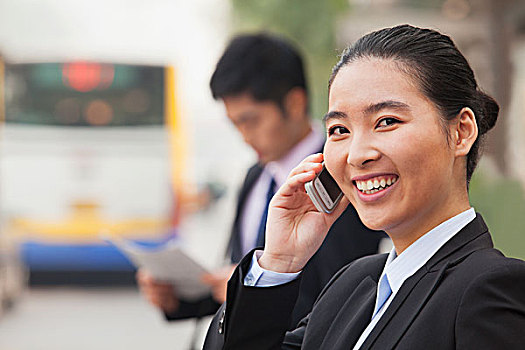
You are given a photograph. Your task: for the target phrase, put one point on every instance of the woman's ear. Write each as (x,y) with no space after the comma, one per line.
(464,132)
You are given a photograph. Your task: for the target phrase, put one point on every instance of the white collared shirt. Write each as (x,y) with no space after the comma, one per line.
(278,170)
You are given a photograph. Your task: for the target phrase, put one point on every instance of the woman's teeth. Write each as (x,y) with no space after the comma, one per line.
(376,184)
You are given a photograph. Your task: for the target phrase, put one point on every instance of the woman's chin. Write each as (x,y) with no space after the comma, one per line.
(373,226)
(375,222)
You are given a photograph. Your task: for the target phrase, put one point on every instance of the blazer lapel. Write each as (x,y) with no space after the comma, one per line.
(472,237)
(352,318)
(394,306)
(235,244)
(419,287)
(424,282)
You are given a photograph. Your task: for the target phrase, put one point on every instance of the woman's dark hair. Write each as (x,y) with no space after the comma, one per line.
(263,65)
(435,63)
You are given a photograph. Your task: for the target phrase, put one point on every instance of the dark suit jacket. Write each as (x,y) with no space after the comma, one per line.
(467,296)
(347,240)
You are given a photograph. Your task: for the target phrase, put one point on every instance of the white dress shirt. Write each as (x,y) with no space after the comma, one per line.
(397,268)
(278,170)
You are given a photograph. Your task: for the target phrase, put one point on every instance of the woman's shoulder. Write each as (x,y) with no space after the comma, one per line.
(493,289)
(490,261)
(489,269)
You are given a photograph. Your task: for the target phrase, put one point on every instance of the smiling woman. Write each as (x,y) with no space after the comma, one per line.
(405,122)
(395,134)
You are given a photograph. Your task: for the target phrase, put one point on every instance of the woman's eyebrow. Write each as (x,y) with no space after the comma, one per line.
(390,104)
(334,115)
(371,109)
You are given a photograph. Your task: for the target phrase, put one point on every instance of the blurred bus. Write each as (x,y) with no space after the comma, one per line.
(88,148)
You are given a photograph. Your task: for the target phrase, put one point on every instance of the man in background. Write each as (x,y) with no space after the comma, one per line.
(261,81)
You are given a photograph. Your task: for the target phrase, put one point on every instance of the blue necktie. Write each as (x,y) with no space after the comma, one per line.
(384,292)
(262,225)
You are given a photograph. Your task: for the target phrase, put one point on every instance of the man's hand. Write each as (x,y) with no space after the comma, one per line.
(218,281)
(157,293)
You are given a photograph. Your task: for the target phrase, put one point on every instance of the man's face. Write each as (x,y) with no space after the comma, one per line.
(262,125)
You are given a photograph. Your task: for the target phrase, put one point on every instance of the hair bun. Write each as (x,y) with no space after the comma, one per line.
(489,113)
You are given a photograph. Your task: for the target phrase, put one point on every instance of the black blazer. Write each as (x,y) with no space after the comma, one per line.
(347,240)
(467,296)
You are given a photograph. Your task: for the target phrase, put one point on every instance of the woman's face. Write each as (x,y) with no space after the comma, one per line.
(387,150)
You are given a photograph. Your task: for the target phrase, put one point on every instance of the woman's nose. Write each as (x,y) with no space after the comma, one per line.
(362,151)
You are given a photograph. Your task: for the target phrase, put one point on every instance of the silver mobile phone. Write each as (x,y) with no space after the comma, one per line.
(324,191)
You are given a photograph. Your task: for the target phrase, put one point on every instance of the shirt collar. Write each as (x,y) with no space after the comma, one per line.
(399,268)
(279,169)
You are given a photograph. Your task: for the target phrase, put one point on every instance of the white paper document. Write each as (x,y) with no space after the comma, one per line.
(167,262)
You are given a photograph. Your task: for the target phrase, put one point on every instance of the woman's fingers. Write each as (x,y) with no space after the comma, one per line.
(301,174)
(306,167)
(310,163)
(296,183)
(316,157)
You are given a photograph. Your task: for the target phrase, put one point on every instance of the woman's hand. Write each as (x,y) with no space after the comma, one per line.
(295,229)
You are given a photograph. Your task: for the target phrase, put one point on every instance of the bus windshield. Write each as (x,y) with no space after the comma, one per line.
(84,94)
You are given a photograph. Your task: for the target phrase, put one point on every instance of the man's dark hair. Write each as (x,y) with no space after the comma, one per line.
(436,65)
(265,66)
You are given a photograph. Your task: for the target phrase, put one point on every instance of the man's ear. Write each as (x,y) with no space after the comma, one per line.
(295,103)
(464,132)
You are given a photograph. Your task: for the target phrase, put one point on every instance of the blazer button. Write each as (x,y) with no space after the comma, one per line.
(221,322)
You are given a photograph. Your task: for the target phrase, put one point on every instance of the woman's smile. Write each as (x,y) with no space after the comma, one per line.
(374,187)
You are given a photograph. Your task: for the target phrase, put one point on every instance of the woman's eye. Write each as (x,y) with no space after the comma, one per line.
(337,130)
(387,122)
